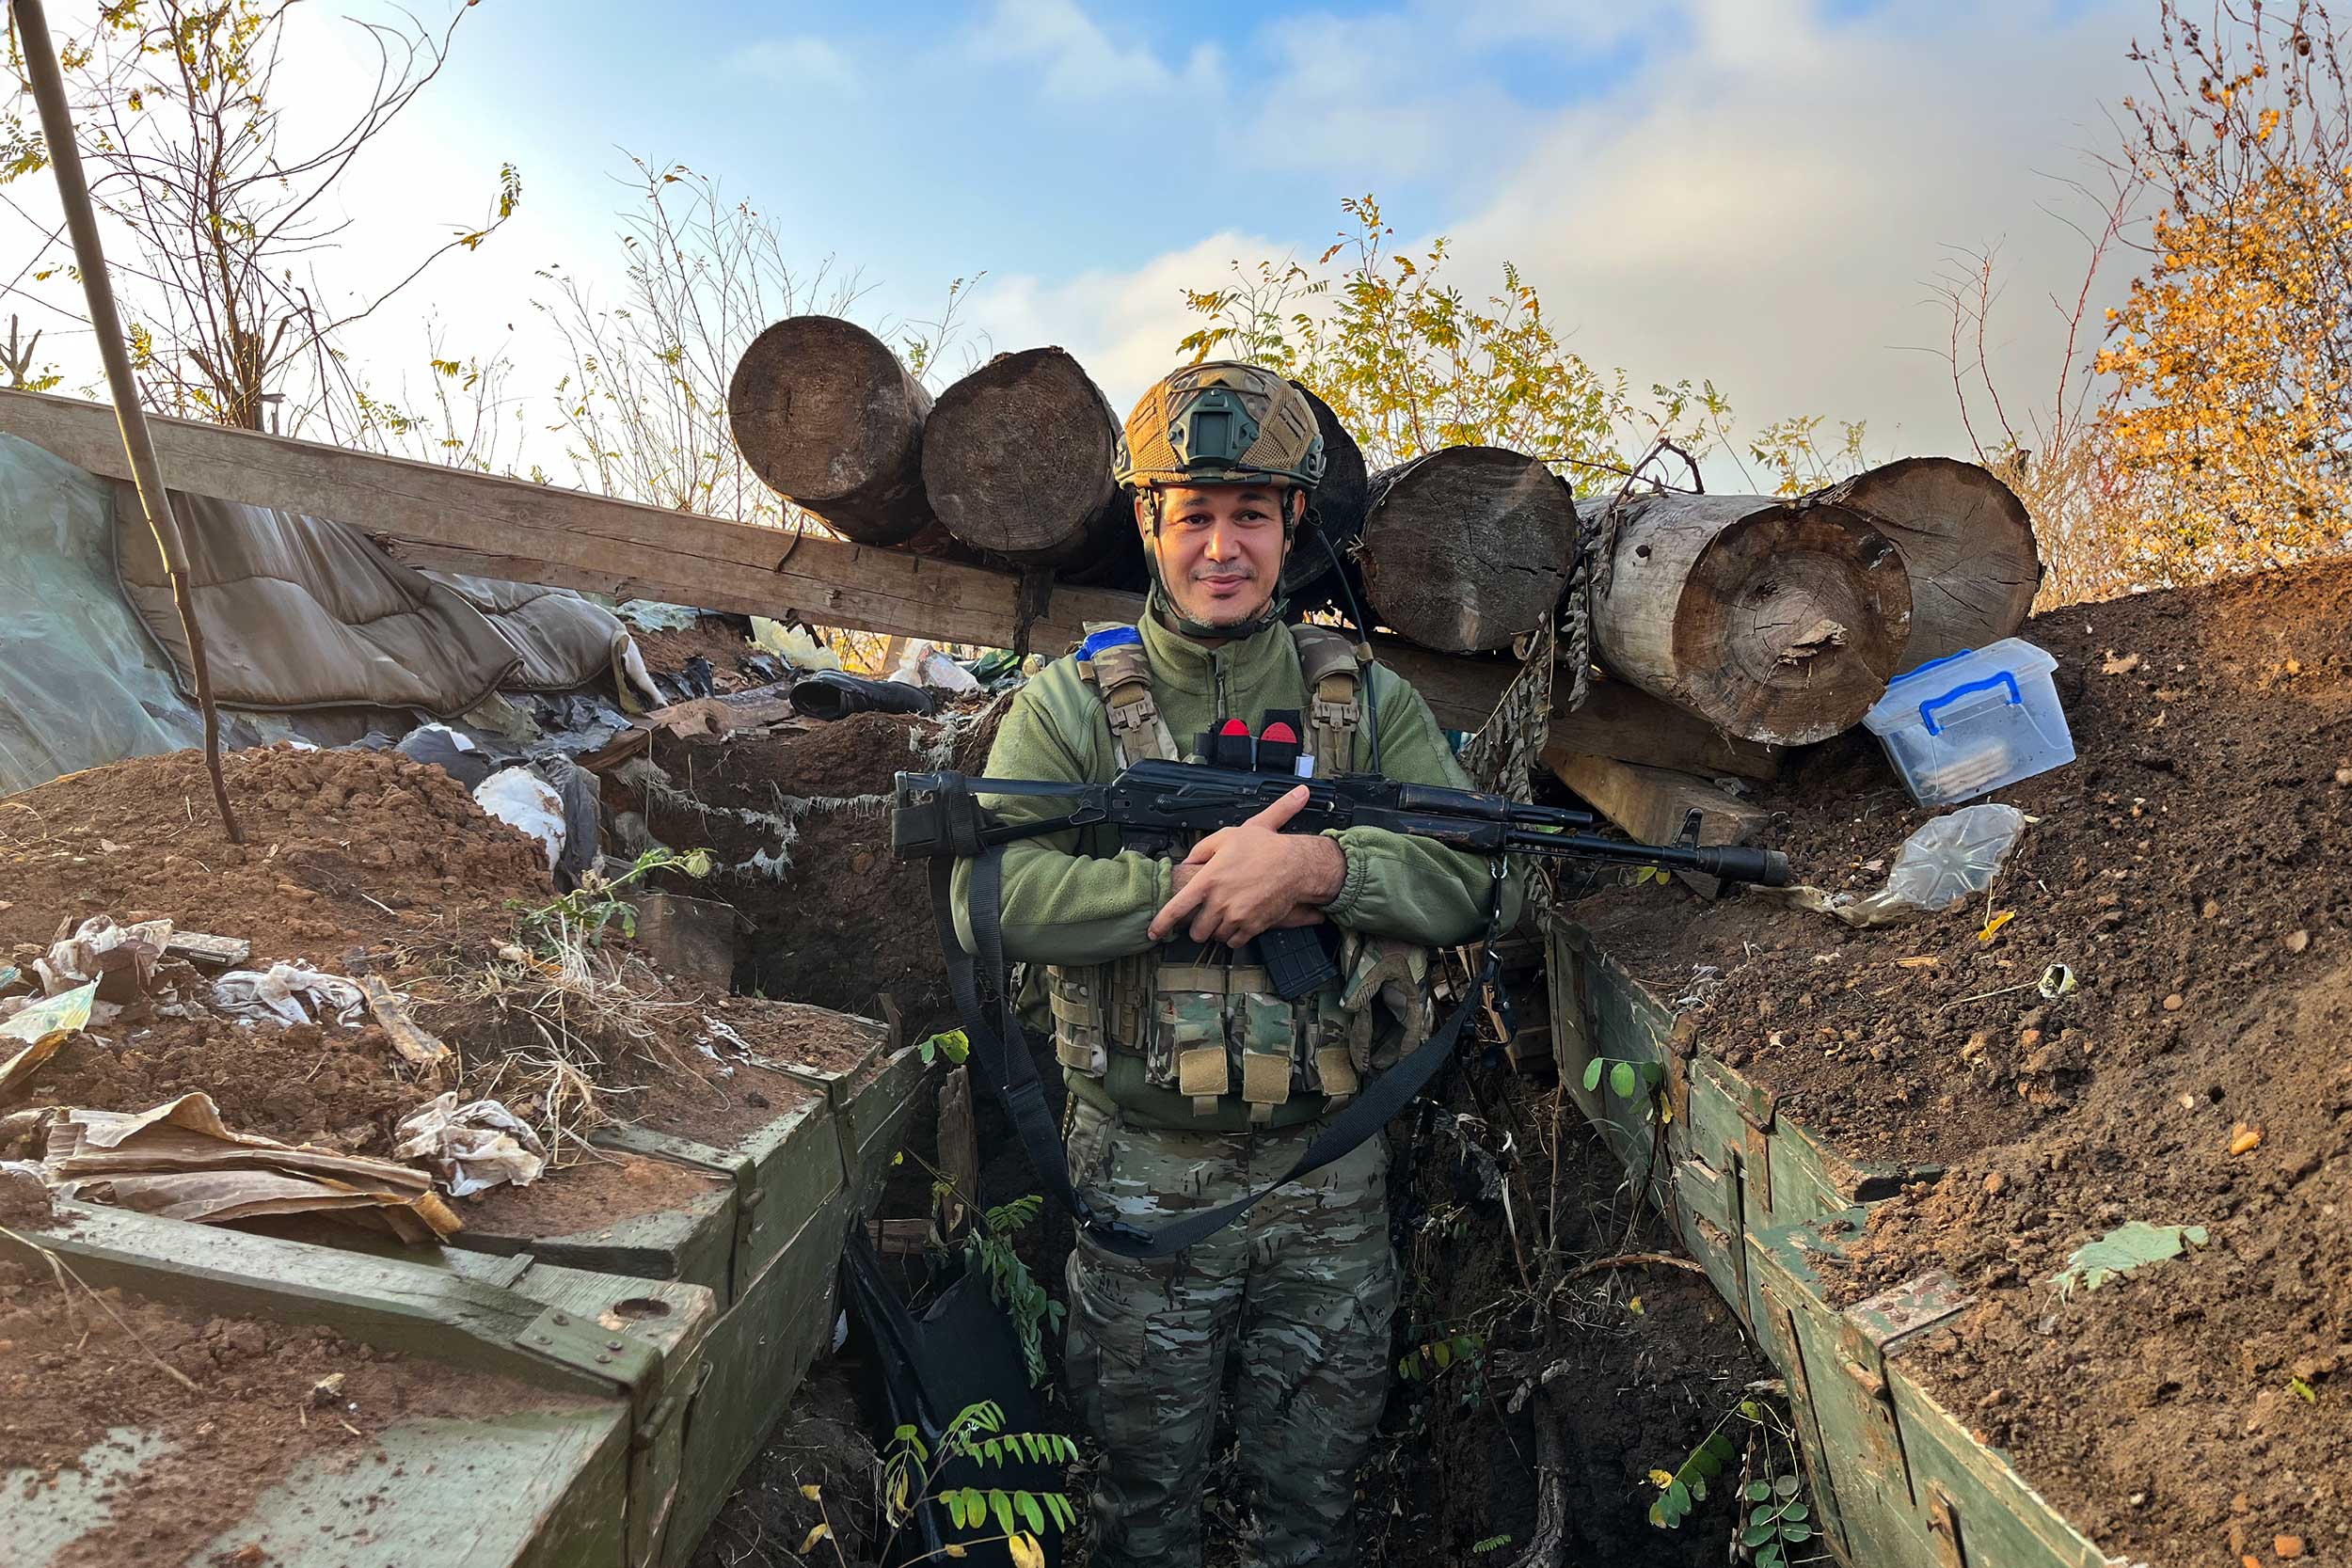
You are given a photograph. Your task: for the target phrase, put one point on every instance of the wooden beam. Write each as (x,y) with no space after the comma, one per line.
(484,525)
(1649,803)
(1619,720)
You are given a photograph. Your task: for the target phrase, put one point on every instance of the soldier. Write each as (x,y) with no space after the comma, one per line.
(1190,1081)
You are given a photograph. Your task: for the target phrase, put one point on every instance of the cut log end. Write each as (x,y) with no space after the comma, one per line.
(827,417)
(1467,548)
(1017,459)
(1965,542)
(1791,625)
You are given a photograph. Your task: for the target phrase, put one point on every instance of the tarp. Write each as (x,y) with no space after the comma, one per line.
(80,683)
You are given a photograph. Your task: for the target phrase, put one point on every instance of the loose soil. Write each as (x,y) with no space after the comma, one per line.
(2189,870)
(590,1195)
(70,1375)
(364,863)
(799,820)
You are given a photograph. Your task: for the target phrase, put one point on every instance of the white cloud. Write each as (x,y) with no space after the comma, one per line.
(1078,62)
(797,62)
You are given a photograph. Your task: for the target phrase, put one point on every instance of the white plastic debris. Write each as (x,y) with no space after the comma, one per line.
(473,1147)
(100,947)
(287,994)
(924,665)
(522,799)
(792,644)
(1945,861)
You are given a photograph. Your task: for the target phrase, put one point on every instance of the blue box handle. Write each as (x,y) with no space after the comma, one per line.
(1928,718)
(1932,664)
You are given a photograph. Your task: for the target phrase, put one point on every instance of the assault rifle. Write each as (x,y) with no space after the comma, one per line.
(938,816)
(1153,803)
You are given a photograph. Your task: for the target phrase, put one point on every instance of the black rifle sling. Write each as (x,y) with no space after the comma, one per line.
(1007,1063)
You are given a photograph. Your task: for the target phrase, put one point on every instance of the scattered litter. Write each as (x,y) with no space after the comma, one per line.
(38,1030)
(2119,665)
(924,665)
(473,1146)
(2245,1139)
(1948,860)
(654,615)
(180,1161)
(1918,960)
(1992,927)
(2122,1250)
(287,994)
(119,959)
(792,644)
(2057,981)
(522,800)
(1704,979)
(417,1046)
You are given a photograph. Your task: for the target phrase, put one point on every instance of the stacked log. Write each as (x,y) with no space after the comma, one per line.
(1017,462)
(828,419)
(1966,545)
(1776,623)
(1468,547)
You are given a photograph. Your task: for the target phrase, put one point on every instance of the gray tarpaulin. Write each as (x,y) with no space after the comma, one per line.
(80,684)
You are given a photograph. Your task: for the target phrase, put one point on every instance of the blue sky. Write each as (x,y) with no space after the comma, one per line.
(1752,191)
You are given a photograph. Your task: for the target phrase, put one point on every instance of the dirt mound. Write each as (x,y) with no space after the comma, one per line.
(365,862)
(2188,870)
(72,1376)
(799,820)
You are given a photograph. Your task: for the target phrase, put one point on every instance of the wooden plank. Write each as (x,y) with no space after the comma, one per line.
(2000,1517)
(1651,803)
(405,1306)
(509,528)
(1619,720)
(758,1353)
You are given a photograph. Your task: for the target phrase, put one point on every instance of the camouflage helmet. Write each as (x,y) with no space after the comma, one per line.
(1221,423)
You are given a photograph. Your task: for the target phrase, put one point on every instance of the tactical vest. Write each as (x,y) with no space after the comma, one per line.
(1208,1030)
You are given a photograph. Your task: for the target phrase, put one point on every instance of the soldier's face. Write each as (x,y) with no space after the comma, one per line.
(1219,548)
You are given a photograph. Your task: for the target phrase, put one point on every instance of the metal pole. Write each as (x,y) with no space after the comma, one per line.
(65,156)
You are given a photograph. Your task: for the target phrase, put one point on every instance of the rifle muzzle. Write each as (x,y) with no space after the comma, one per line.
(1736,862)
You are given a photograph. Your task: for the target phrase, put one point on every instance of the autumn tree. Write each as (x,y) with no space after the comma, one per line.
(2231,353)
(228,213)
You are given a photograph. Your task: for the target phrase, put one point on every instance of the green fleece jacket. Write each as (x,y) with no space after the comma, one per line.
(1078,898)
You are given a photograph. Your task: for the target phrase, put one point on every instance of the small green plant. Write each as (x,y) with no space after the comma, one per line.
(1492,1543)
(989,1248)
(1627,1079)
(1685,1486)
(910,1479)
(952,1044)
(579,919)
(1777,1520)
(1426,1361)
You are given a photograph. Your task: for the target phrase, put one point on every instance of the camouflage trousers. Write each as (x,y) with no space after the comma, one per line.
(1302,1287)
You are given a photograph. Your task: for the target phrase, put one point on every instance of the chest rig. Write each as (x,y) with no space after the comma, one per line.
(1211,1029)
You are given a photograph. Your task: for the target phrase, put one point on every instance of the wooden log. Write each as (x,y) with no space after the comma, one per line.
(1017,460)
(1337,514)
(1621,720)
(1967,544)
(826,418)
(1651,803)
(485,526)
(1778,622)
(1466,549)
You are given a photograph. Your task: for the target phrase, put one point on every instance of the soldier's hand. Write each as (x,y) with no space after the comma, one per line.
(1248,878)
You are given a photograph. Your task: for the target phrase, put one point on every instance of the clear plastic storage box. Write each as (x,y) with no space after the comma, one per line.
(1970,722)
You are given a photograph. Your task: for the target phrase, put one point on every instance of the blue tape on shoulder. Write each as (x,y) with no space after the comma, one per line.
(1110,637)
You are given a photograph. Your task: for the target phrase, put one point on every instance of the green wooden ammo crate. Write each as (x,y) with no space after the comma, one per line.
(589,1482)
(1758,1197)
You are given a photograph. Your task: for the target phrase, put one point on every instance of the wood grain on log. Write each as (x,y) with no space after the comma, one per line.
(1967,544)
(1778,622)
(1017,460)
(1468,547)
(828,418)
